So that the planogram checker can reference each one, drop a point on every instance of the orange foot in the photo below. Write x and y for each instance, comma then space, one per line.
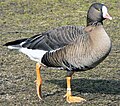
73, 99
38, 81
38, 87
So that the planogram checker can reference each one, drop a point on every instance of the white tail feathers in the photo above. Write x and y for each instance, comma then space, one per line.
14, 47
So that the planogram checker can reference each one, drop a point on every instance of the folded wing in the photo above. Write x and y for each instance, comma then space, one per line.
54, 39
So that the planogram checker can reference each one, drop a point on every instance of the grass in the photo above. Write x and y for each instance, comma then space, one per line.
25, 18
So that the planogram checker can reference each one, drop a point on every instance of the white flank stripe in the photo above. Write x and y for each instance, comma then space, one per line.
22, 43
35, 55
55, 50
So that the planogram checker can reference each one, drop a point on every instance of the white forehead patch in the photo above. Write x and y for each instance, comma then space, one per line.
104, 10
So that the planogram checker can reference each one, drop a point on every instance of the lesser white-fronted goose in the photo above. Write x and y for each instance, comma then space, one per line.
74, 48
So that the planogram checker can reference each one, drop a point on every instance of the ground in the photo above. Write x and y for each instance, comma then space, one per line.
25, 18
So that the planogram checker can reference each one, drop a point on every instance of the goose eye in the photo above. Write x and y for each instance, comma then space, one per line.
99, 9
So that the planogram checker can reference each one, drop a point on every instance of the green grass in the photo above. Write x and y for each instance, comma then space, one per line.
25, 18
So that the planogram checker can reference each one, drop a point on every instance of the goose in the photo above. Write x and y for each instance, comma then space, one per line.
73, 48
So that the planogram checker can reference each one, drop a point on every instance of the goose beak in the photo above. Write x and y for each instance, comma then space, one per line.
107, 16
105, 13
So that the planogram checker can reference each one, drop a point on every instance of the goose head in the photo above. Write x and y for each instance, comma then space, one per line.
97, 13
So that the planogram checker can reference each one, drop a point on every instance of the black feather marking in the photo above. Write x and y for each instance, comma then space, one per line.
16, 42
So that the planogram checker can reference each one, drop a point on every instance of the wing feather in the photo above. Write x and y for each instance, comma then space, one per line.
54, 39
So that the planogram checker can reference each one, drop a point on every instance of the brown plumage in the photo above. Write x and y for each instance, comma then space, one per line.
84, 53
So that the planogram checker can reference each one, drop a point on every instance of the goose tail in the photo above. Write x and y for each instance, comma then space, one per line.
17, 44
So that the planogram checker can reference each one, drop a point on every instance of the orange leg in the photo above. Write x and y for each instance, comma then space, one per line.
69, 97
38, 80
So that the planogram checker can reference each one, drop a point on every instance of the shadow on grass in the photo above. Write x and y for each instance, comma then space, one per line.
91, 85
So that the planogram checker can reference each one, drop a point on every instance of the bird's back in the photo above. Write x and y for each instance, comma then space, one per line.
55, 38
